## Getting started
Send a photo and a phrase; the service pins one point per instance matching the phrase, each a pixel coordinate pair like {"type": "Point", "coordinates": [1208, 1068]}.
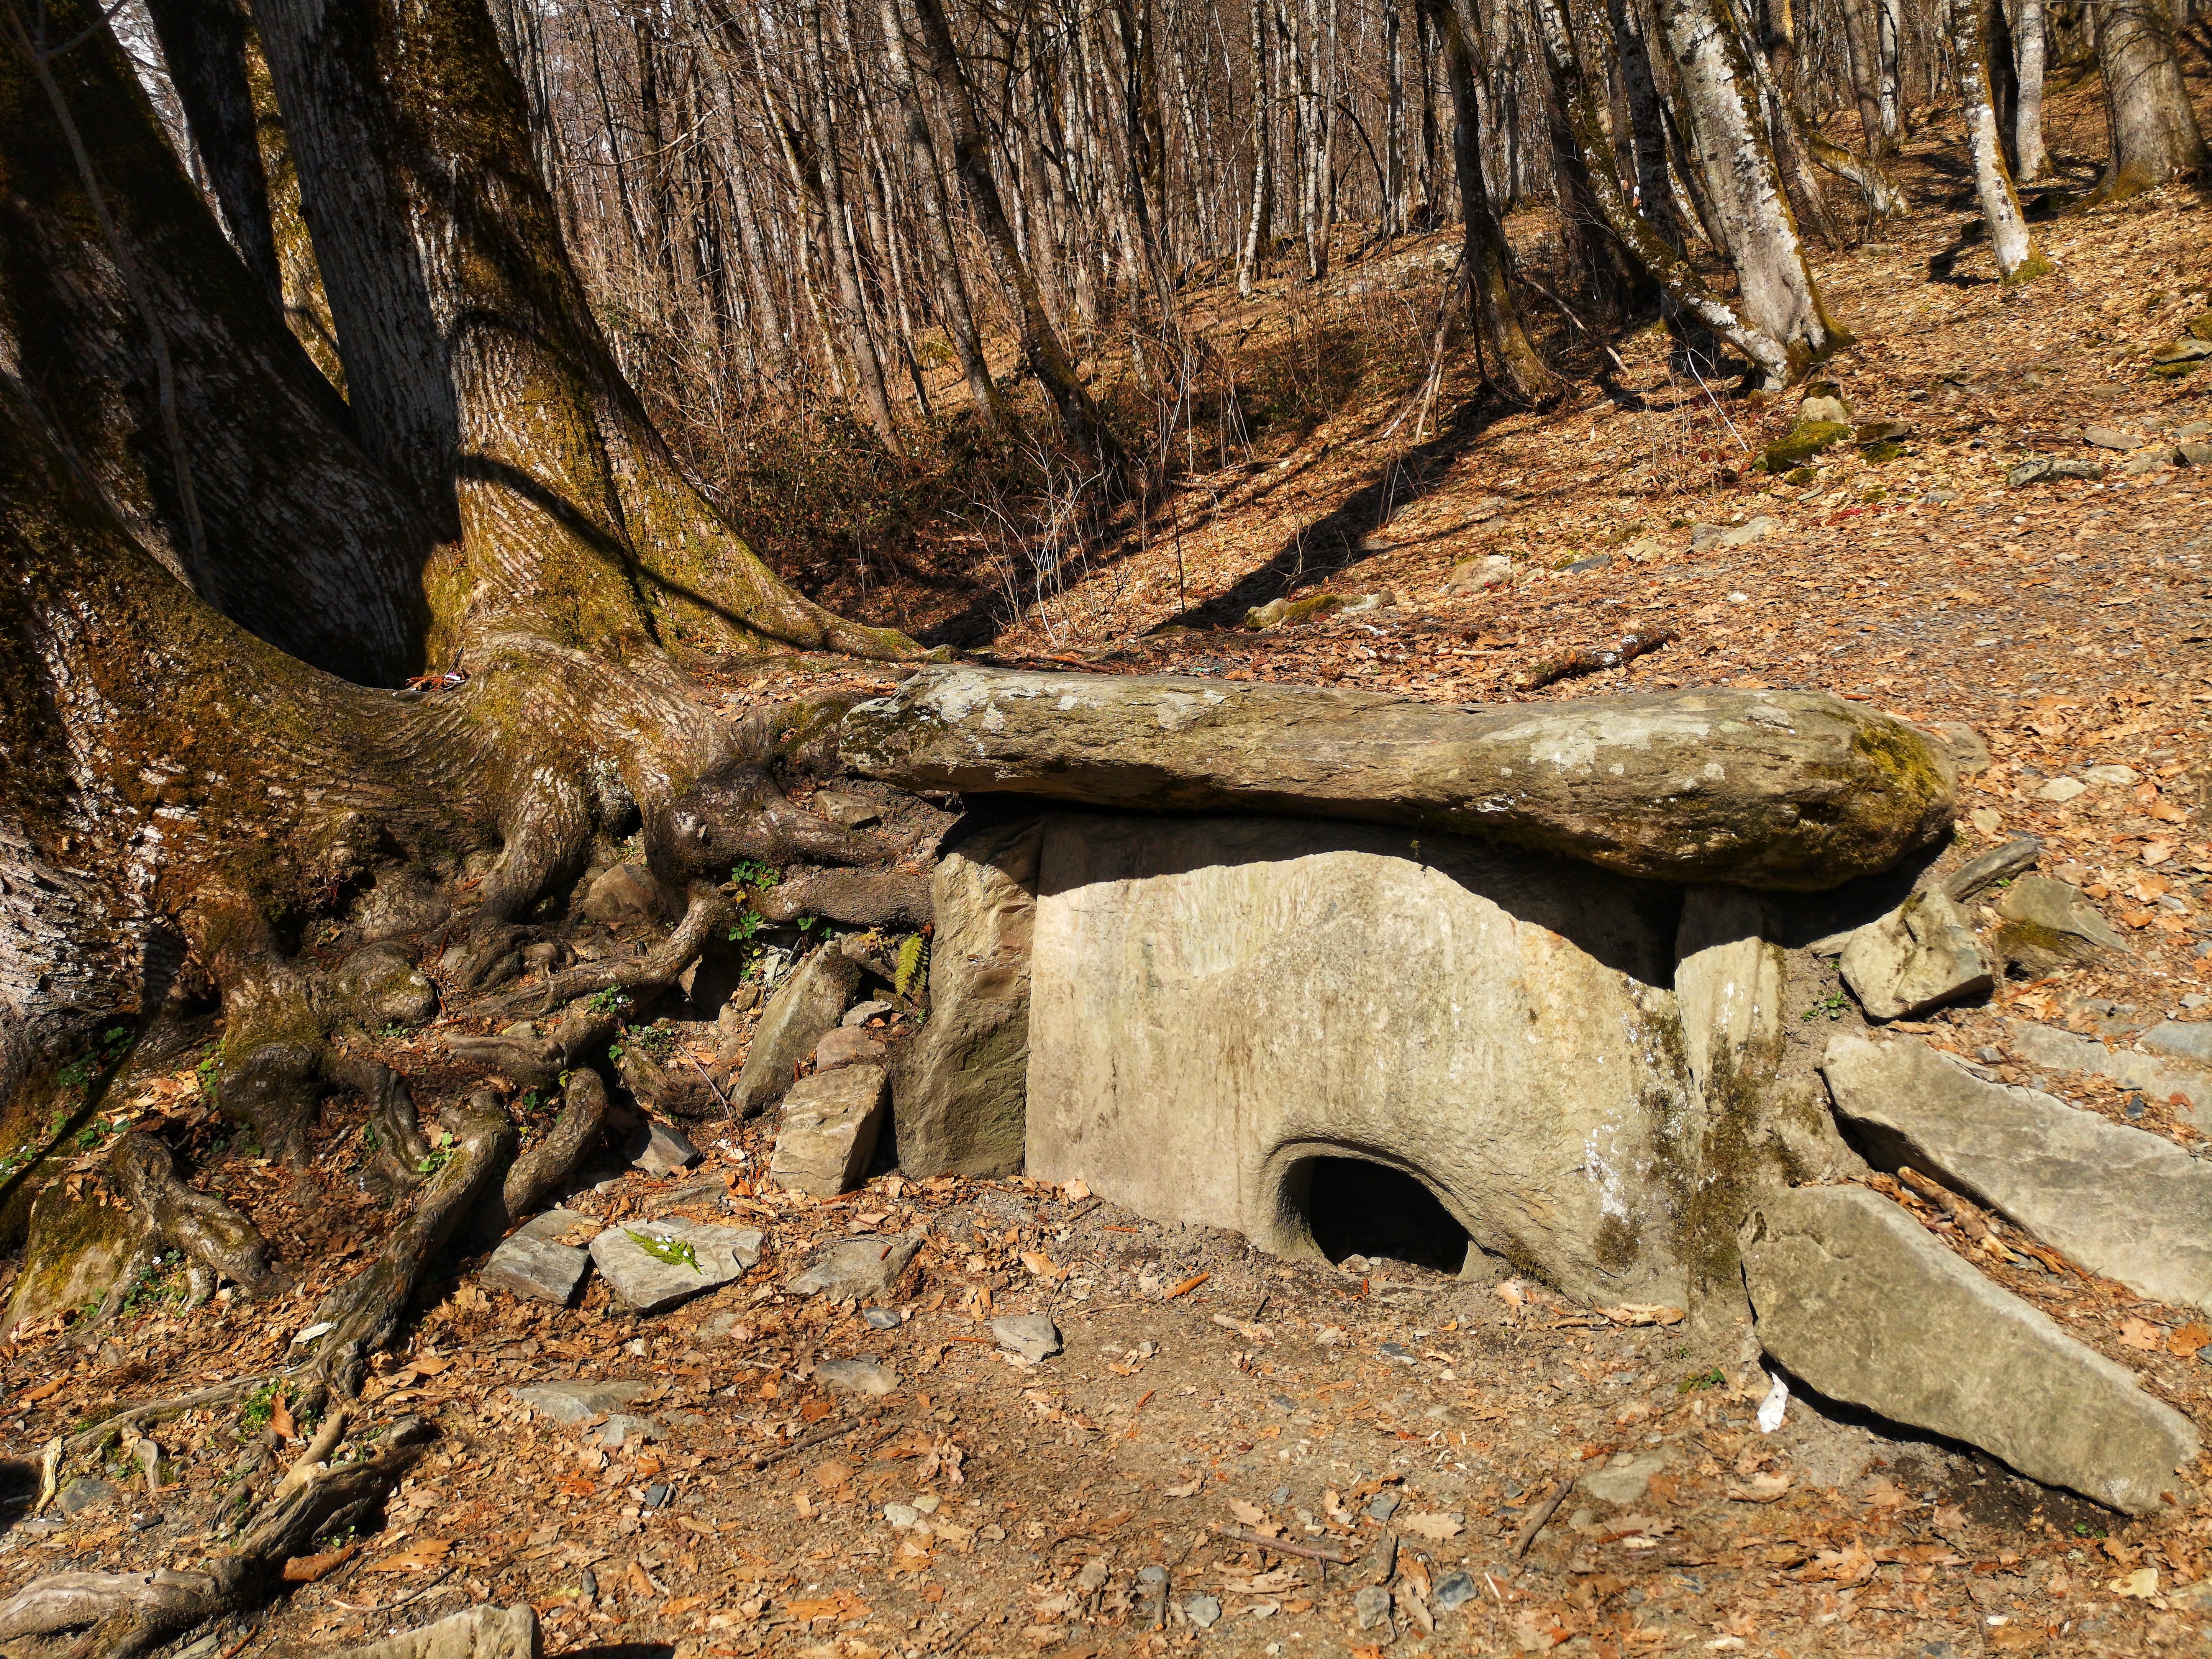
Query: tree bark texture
{"type": "Point", "coordinates": [2154, 135]}
{"type": "Point", "coordinates": [2018, 258]}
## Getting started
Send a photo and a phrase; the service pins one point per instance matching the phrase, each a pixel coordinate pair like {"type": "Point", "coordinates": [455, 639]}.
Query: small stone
{"type": "Point", "coordinates": [1939, 497]}
{"type": "Point", "coordinates": [1454, 1592]}
{"type": "Point", "coordinates": [1478, 575]}
{"type": "Point", "coordinates": [2114, 776]}
{"type": "Point", "coordinates": [1966, 747]}
{"type": "Point", "coordinates": [2048, 923]}
{"type": "Point", "coordinates": [2043, 467]}
{"type": "Point", "coordinates": [857, 1376]}
{"type": "Point", "coordinates": [1203, 1611]}
{"type": "Point", "coordinates": [1597, 562]}
{"type": "Point", "coordinates": [1626, 1478]}
{"type": "Point", "coordinates": [1823, 403]}
{"type": "Point", "coordinates": [2198, 454]}
{"type": "Point", "coordinates": [659, 1150]}
{"type": "Point", "coordinates": [883, 1319]}
{"type": "Point", "coordinates": [830, 1123]}
{"type": "Point", "coordinates": [846, 1045]}
{"type": "Point", "coordinates": [904, 1517]}
{"type": "Point", "coordinates": [1371, 1606]}
{"type": "Point", "coordinates": [1385, 1505]}
{"type": "Point", "coordinates": [2062, 790]}
{"type": "Point", "coordinates": [809, 1003]}
{"type": "Point", "coordinates": [1705, 537]}
{"type": "Point", "coordinates": [1033, 1336]}
{"type": "Point", "coordinates": [1920, 956]}
{"type": "Point", "coordinates": [846, 809]}
{"type": "Point", "coordinates": [622, 896]}
{"type": "Point", "coordinates": [623, 1429]}
{"type": "Point", "coordinates": [713, 1190]}
{"type": "Point", "coordinates": [570, 1404]}
{"type": "Point", "coordinates": [2106, 437]}
{"type": "Point", "coordinates": [2190, 1041]}
{"type": "Point", "coordinates": [85, 1492]}
{"type": "Point", "coordinates": [634, 1260]}
{"type": "Point", "coordinates": [535, 1269]}
{"type": "Point", "coordinates": [861, 1013]}
{"type": "Point", "coordinates": [864, 1267]}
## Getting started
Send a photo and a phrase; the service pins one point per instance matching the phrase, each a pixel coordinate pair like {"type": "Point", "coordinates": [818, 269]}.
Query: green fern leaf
{"type": "Point", "coordinates": [912, 963]}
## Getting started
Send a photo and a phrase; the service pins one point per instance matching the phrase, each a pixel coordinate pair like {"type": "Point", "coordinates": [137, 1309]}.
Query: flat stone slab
{"type": "Point", "coordinates": [2054, 1050]}
{"type": "Point", "coordinates": [1853, 1296]}
{"type": "Point", "coordinates": [1796, 790]}
{"type": "Point", "coordinates": [570, 1404]}
{"type": "Point", "coordinates": [1920, 956]}
{"type": "Point", "coordinates": [1033, 1336]}
{"type": "Point", "coordinates": [864, 1267]}
{"type": "Point", "coordinates": [536, 1268]}
{"type": "Point", "coordinates": [654, 1264]}
{"type": "Point", "coordinates": [866, 1376]}
{"type": "Point", "coordinates": [2045, 923]}
{"type": "Point", "coordinates": [479, 1633]}
{"type": "Point", "coordinates": [2190, 1040]}
{"type": "Point", "coordinates": [1625, 1479]}
{"type": "Point", "coordinates": [2124, 1203]}
{"type": "Point", "coordinates": [830, 1123]}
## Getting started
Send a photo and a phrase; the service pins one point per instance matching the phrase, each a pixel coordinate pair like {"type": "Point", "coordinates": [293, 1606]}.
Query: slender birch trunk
{"type": "Point", "coordinates": [2018, 256]}
{"type": "Point", "coordinates": [2032, 38]}
{"type": "Point", "coordinates": [1251, 262]}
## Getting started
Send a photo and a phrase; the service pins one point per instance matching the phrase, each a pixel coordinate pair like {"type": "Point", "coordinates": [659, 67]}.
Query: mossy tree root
{"type": "Point", "coordinates": [217, 1242]}
{"type": "Point", "coordinates": [540, 1171]}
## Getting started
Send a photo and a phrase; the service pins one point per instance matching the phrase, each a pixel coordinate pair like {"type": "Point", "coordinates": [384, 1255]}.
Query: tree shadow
{"type": "Point", "coordinates": [1340, 539]}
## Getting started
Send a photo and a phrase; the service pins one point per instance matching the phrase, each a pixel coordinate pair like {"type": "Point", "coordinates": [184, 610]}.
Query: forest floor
{"type": "Point", "coordinates": [1257, 1430]}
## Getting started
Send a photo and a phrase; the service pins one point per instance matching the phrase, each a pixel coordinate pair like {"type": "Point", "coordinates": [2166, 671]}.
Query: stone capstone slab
{"type": "Point", "coordinates": [1217, 1003]}
{"type": "Point", "coordinates": [1920, 956]}
{"type": "Point", "coordinates": [1781, 789]}
{"type": "Point", "coordinates": [831, 1124]}
{"type": "Point", "coordinates": [2124, 1203]}
{"type": "Point", "coordinates": [478, 1633]}
{"type": "Point", "coordinates": [573, 1404]}
{"type": "Point", "coordinates": [805, 1007]}
{"type": "Point", "coordinates": [654, 1264]}
{"type": "Point", "coordinates": [2054, 1050]}
{"type": "Point", "coordinates": [958, 1095]}
{"type": "Point", "coordinates": [865, 1267]}
{"type": "Point", "coordinates": [1853, 1296]}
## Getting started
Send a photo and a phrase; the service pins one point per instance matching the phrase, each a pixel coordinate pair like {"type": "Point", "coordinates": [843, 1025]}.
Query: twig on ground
{"type": "Point", "coordinates": [1569, 663]}
{"type": "Point", "coordinates": [1544, 1512]}
{"type": "Point", "coordinates": [1287, 1545]}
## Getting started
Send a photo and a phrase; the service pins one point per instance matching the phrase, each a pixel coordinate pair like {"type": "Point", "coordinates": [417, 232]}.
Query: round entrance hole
{"type": "Point", "coordinates": [1353, 1207]}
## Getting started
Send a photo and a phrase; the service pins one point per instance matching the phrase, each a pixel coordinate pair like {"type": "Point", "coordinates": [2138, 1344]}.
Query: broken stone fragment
{"type": "Point", "coordinates": [2108, 437]}
{"type": "Point", "coordinates": [1705, 537]}
{"type": "Point", "coordinates": [2042, 468]}
{"type": "Point", "coordinates": [654, 1264]}
{"type": "Point", "coordinates": [858, 1267]}
{"type": "Point", "coordinates": [1033, 1336]}
{"type": "Point", "coordinates": [846, 1045]}
{"type": "Point", "coordinates": [1625, 1479]}
{"type": "Point", "coordinates": [1479, 575]}
{"type": "Point", "coordinates": [2046, 924]}
{"type": "Point", "coordinates": [805, 1007]}
{"type": "Point", "coordinates": [2124, 1203]}
{"type": "Point", "coordinates": [659, 1149]}
{"type": "Point", "coordinates": [2052, 1050]}
{"type": "Point", "coordinates": [865, 1376]}
{"type": "Point", "coordinates": [831, 1124]}
{"type": "Point", "coordinates": [532, 1263]}
{"type": "Point", "coordinates": [1853, 1296]}
{"type": "Point", "coordinates": [1776, 789]}
{"type": "Point", "coordinates": [573, 1404]}
{"type": "Point", "coordinates": [622, 896]}
{"type": "Point", "coordinates": [1920, 956]}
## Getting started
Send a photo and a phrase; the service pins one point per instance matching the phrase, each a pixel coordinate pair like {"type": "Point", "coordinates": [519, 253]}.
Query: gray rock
{"type": "Point", "coordinates": [1706, 536]}
{"type": "Point", "coordinates": [712, 1191]}
{"type": "Point", "coordinates": [2053, 1050]}
{"type": "Point", "coordinates": [2046, 468]}
{"type": "Point", "coordinates": [570, 1404]}
{"type": "Point", "coordinates": [2112, 776]}
{"type": "Point", "coordinates": [86, 1491]}
{"type": "Point", "coordinates": [1203, 1611]}
{"type": "Point", "coordinates": [2062, 790]}
{"type": "Point", "coordinates": [831, 1124]}
{"type": "Point", "coordinates": [2106, 437]}
{"type": "Point", "coordinates": [1478, 575]}
{"type": "Point", "coordinates": [883, 1319]}
{"type": "Point", "coordinates": [857, 1376]}
{"type": "Point", "coordinates": [1939, 497]}
{"type": "Point", "coordinates": [624, 1429]}
{"type": "Point", "coordinates": [478, 1633]}
{"type": "Point", "coordinates": [1455, 1592]}
{"type": "Point", "coordinates": [846, 809]}
{"type": "Point", "coordinates": [959, 1092]}
{"type": "Point", "coordinates": [659, 1149]}
{"type": "Point", "coordinates": [861, 1013]}
{"type": "Point", "coordinates": [1971, 754]}
{"type": "Point", "coordinates": [2194, 454]}
{"type": "Point", "coordinates": [2190, 1041]}
{"type": "Point", "coordinates": [1625, 1479]}
{"type": "Point", "coordinates": [647, 1284]}
{"type": "Point", "coordinates": [804, 1007]}
{"type": "Point", "coordinates": [2183, 351]}
{"type": "Point", "coordinates": [622, 896]}
{"type": "Point", "coordinates": [1371, 1606]}
{"type": "Point", "coordinates": [1782, 789]}
{"type": "Point", "coordinates": [536, 1268]}
{"type": "Point", "coordinates": [2046, 924]}
{"type": "Point", "coordinates": [868, 1265]}
{"type": "Point", "coordinates": [1853, 1296]}
{"type": "Point", "coordinates": [846, 1045]}
{"type": "Point", "coordinates": [1978, 875]}
{"type": "Point", "coordinates": [1824, 405]}
{"type": "Point", "coordinates": [1033, 1336]}
{"type": "Point", "coordinates": [1365, 984]}
{"type": "Point", "coordinates": [2124, 1203]}
{"type": "Point", "coordinates": [1920, 956]}
{"type": "Point", "coordinates": [380, 984]}
{"type": "Point", "coordinates": [1383, 1505]}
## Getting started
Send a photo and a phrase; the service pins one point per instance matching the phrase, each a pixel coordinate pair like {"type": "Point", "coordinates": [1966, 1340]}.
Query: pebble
{"type": "Point", "coordinates": [2062, 790]}
{"type": "Point", "coordinates": [1371, 1606]}
{"type": "Point", "coordinates": [1203, 1611]}
{"type": "Point", "coordinates": [2112, 775]}
{"type": "Point", "coordinates": [1385, 1505]}
{"type": "Point", "coordinates": [1454, 1592]}
{"type": "Point", "coordinates": [883, 1319]}
{"type": "Point", "coordinates": [1033, 1336]}
{"type": "Point", "coordinates": [861, 1013]}
{"type": "Point", "coordinates": [2106, 437]}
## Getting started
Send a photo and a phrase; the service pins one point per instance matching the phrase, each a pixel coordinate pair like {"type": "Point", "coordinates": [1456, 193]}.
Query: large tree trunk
{"type": "Point", "coordinates": [204, 43]}
{"type": "Point", "coordinates": [2018, 257]}
{"type": "Point", "coordinates": [2031, 36]}
{"type": "Point", "coordinates": [2154, 135]}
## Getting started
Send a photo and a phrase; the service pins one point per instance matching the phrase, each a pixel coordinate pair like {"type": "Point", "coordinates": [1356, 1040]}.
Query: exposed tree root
{"type": "Point", "coordinates": [705, 911]}
{"type": "Point", "coordinates": [540, 1171]}
{"type": "Point", "coordinates": [132, 1613]}
{"type": "Point", "coordinates": [217, 1242]}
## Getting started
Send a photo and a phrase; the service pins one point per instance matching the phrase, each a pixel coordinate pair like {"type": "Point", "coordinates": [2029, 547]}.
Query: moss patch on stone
{"type": "Point", "coordinates": [1802, 442]}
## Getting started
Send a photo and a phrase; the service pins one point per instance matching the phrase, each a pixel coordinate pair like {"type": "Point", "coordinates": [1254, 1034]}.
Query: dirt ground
{"type": "Point", "coordinates": [1276, 1438]}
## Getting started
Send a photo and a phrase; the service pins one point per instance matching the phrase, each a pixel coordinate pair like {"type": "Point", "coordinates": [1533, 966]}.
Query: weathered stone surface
{"type": "Point", "coordinates": [1978, 875]}
{"type": "Point", "coordinates": [572, 1404]}
{"type": "Point", "coordinates": [2124, 1203]}
{"type": "Point", "coordinates": [622, 896]}
{"type": "Point", "coordinates": [380, 984]}
{"type": "Point", "coordinates": [831, 1124]}
{"type": "Point", "coordinates": [866, 1376]}
{"type": "Point", "coordinates": [1220, 1002]}
{"type": "Point", "coordinates": [2161, 1080]}
{"type": "Point", "coordinates": [2046, 924]}
{"type": "Point", "coordinates": [72, 1253]}
{"type": "Point", "coordinates": [86, 1491]}
{"type": "Point", "coordinates": [959, 1092]}
{"type": "Point", "coordinates": [858, 1267]}
{"type": "Point", "coordinates": [2189, 1040]}
{"type": "Point", "coordinates": [805, 1007]}
{"type": "Point", "coordinates": [659, 1150]}
{"type": "Point", "coordinates": [1796, 790]}
{"type": "Point", "coordinates": [847, 1046]}
{"type": "Point", "coordinates": [1853, 1296]}
{"type": "Point", "coordinates": [479, 1633]}
{"type": "Point", "coordinates": [536, 1268]}
{"type": "Point", "coordinates": [648, 1284]}
{"type": "Point", "coordinates": [1920, 956]}
{"type": "Point", "coordinates": [2041, 468]}
{"type": "Point", "coordinates": [1479, 575]}
{"type": "Point", "coordinates": [1033, 1336]}
{"type": "Point", "coordinates": [2108, 437]}
{"type": "Point", "coordinates": [1968, 749]}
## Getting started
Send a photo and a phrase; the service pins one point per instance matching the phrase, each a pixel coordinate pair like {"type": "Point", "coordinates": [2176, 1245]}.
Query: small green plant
{"type": "Point", "coordinates": [747, 924]}
{"type": "Point", "coordinates": [1834, 1005]}
{"type": "Point", "coordinates": [207, 1071]}
{"type": "Point", "coordinates": [807, 923]}
{"type": "Point", "coordinates": [370, 1138]}
{"type": "Point", "coordinates": [676, 1252]}
{"type": "Point", "coordinates": [611, 1000]}
{"type": "Point", "coordinates": [440, 1155]}
{"type": "Point", "coordinates": [1696, 1380]}
{"type": "Point", "coordinates": [260, 1406]}
{"type": "Point", "coordinates": [752, 872]}
{"type": "Point", "coordinates": [394, 1030]}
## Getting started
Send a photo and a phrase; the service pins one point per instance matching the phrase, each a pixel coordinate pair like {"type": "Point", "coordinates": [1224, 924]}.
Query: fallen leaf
{"type": "Point", "coordinates": [306, 1569]}
{"type": "Point", "coordinates": [279, 1419]}
{"type": "Point", "coordinates": [1250, 1514]}
{"type": "Point", "coordinates": [1043, 1267]}
{"type": "Point", "coordinates": [43, 1391]}
{"type": "Point", "coordinates": [1639, 1313]}
{"type": "Point", "coordinates": [1186, 1490]}
{"type": "Point", "coordinates": [421, 1557]}
{"type": "Point", "coordinates": [2188, 1339]}
{"type": "Point", "coordinates": [2141, 1584]}
{"type": "Point", "coordinates": [1077, 1191]}
{"type": "Point", "coordinates": [1436, 1528]}
{"type": "Point", "coordinates": [2007, 1639]}
{"type": "Point", "coordinates": [577, 1487]}
{"type": "Point", "coordinates": [1185, 1288]}
{"type": "Point", "coordinates": [2142, 1334]}
{"type": "Point", "coordinates": [820, 1607]}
